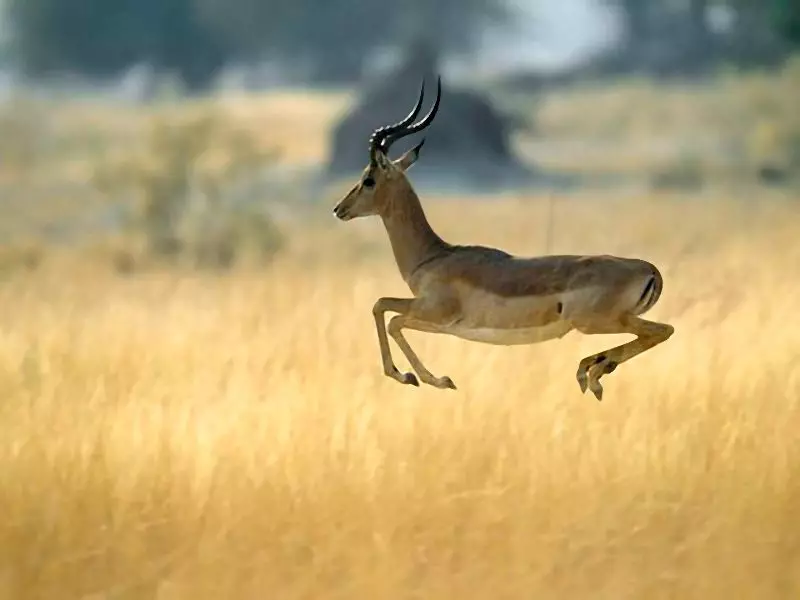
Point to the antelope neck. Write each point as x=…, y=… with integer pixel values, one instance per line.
x=412, y=238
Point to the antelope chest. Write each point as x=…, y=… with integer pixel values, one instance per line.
x=510, y=337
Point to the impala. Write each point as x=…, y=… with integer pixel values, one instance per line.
x=485, y=294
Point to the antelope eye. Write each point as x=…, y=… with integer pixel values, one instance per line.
x=368, y=182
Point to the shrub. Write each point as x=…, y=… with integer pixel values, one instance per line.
x=185, y=183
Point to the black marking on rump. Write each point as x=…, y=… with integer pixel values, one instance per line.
x=651, y=282
x=650, y=295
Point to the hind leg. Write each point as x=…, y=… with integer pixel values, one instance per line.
x=648, y=335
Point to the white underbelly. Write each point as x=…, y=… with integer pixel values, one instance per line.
x=510, y=337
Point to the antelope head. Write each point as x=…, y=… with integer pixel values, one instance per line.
x=376, y=189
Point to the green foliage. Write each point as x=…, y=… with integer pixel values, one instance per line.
x=786, y=17
x=344, y=29
x=103, y=37
x=195, y=37
x=783, y=16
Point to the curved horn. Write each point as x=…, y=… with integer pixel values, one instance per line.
x=376, y=141
x=426, y=120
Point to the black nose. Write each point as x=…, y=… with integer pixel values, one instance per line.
x=339, y=211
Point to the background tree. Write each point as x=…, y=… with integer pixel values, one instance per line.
x=195, y=37
x=675, y=36
x=786, y=19
x=104, y=37
x=338, y=37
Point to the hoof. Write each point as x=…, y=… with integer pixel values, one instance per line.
x=597, y=390
x=583, y=380
x=404, y=378
x=409, y=379
x=445, y=383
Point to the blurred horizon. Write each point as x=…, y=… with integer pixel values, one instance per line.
x=477, y=40
x=545, y=35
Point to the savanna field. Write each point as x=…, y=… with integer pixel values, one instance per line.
x=169, y=432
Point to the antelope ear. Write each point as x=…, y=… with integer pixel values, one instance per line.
x=409, y=158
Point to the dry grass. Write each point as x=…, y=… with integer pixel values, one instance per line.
x=50, y=152
x=731, y=124
x=177, y=435
x=196, y=436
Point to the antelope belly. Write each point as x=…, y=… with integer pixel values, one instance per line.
x=510, y=337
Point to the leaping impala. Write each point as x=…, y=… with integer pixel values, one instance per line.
x=485, y=294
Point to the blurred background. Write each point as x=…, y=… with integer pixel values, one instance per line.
x=192, y=403
x=118, y=115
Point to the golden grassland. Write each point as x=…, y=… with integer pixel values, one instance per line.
x=232, y=436
x=184, y=434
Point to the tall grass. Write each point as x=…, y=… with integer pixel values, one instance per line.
x=232, y=436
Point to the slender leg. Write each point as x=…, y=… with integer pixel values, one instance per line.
x=396, y=325
x=592, y=368
x=398, y=305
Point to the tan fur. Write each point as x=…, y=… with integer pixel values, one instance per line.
x=487, y=295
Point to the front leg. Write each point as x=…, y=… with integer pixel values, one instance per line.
x=592, y=368
x=396, y=326
x=382, y=306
